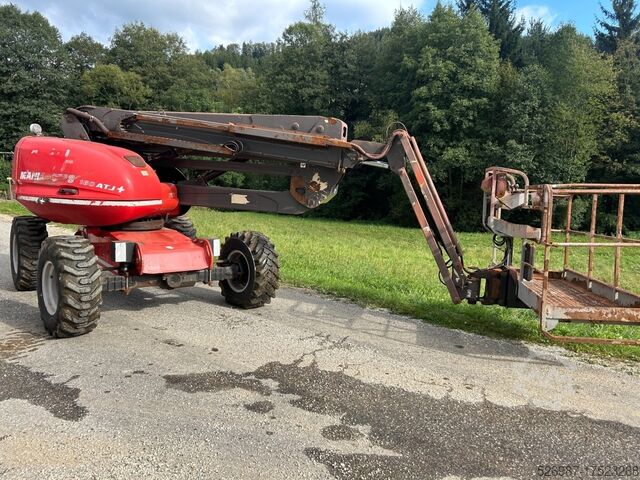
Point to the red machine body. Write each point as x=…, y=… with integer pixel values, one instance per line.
x=157, y=251
x=87, y=183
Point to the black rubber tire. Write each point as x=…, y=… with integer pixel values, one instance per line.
x=183, y=225
x=256, y=256
x=78, y=294
x=144, y=225
x=27, y=235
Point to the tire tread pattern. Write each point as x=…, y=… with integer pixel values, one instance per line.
x=267, y=275
x=182, y=224
x=80, y=285
x=30, y=232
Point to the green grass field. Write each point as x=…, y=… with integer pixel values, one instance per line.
x=391, y=267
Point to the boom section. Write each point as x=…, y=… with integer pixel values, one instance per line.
x=312, y=151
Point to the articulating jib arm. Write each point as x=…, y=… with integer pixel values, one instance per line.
x=401, y=152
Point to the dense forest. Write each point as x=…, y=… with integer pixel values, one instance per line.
x=475, y=85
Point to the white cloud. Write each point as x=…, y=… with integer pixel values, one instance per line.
x=535, y=12
x=205, y=23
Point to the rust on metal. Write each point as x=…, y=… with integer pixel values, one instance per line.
x=567, y=237
x=567, y=295
x=592, y=232
x=618, y=254
x=251, y=130
x=171, y=142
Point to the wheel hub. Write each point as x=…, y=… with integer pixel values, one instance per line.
x=240, y=282
x=49, y=287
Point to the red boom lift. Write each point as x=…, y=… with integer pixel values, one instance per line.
x=120, y=176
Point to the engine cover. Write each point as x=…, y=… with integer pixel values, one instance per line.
x=86, y=183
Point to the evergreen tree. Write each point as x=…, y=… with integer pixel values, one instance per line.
x=465, y=5
x=619, y=23
x=309, y=74
x=533, y=43
x=502, y=23
x=249, y=55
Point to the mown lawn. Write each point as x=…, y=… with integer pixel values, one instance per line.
x=391, y=267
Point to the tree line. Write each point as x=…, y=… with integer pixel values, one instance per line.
x=475, y=85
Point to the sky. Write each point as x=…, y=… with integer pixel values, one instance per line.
x=207, y=23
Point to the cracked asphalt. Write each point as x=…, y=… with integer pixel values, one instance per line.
x=176, y=384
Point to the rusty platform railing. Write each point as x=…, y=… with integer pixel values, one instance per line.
x=568, y=295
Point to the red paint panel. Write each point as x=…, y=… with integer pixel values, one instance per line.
x=165, y=251
x=86, y=183
x=158, y=251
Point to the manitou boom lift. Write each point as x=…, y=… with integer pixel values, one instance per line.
x=119, y=174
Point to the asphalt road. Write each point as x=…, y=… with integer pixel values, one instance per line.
x=175, y=384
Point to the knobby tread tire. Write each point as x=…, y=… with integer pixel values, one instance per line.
x=182, y=224
x=266, y=274
x=79, y=286
x=29, y=233
x=144, y=225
